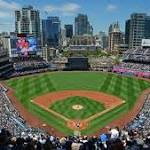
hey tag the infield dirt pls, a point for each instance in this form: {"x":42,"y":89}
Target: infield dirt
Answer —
{"x":36,"y":122}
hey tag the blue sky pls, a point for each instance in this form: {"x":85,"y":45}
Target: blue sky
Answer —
{"x":101,"y":13}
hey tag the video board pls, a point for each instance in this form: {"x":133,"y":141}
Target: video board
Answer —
{"x":26,"y":44}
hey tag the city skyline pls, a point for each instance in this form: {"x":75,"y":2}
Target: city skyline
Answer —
{"x":101,"y":13}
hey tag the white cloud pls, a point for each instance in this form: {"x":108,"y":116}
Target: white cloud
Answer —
{"x":70,"y":7}
{"x":111,"y":7}
{"x":67,"y":9}
{"x":9,"y":5}
{"x":4,"y":14}
{"x":7,"y":14}
{"x":51,"y":8}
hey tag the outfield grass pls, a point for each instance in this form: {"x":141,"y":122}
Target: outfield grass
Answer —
{"x":90,"y":107}
{"x":29,"y":87}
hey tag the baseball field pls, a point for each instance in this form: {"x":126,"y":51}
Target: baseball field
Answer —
{"x":85,"y":101}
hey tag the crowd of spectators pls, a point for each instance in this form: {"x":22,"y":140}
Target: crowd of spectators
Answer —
{"x":22,"y":73}
{"x":25,"y":66}
{"x":137,"y":55}
{"x":16,"y":134}
{"x":135,"y":62}
{"x":95,"y":63}
{"x":135,"y":69}
{"x":30,"y":65}
{"x":142,"y":120}
{"x":60,"y":60}
{"x":101,"y":63}
{"x":10,"y":118}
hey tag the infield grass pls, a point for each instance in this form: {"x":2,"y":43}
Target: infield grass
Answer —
{"x":29,"y":87}
{"x":90,"y":107}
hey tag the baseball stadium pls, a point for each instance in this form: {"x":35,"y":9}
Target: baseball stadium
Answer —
{"x":72,"y":101}
{"x":66,"y":86}
{"x":76,"y":100}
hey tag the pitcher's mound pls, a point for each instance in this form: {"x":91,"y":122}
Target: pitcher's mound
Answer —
{"x":77,"y":107}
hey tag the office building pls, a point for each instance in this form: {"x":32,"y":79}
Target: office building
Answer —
{"x":69,"y":30}
{"x":137,"y":28}
{"x":51,"y":31}
{"x":127,"y":31}
{"x":103,"y":39}
{"x":27,"y":21}
{"x":137,"y":25}
{"x":115,"y":36}
{"x":6,"y":67}
{"x":147,"y":27}
{"x":64,"y":39}
{"x":48,"y":53}
{"x":82,"y":25}
{"x":84,"y":43}
{"x":83,"y":40}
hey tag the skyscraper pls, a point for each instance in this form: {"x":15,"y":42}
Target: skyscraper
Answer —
{"x":115,"y":36}
{"x":103,"y":39}
{"x":64,"y":39}
{"x":69,"y":30}
{"x":27,"y":20}
{"x":137,"y":29}
{"x":82,"y":25}
{"x":147,"y":27}
{"x":6,"y":67}
{"x":51,"y":29}
{"x":127,"y":31}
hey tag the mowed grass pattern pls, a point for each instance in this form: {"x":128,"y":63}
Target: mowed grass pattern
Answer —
{"x":29,"y":87}
{"x":90,"y":107}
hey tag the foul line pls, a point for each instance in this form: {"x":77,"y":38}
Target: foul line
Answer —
{"x":85,"y":120}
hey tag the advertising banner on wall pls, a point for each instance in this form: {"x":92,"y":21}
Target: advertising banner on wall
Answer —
{"x":145,"y":42}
